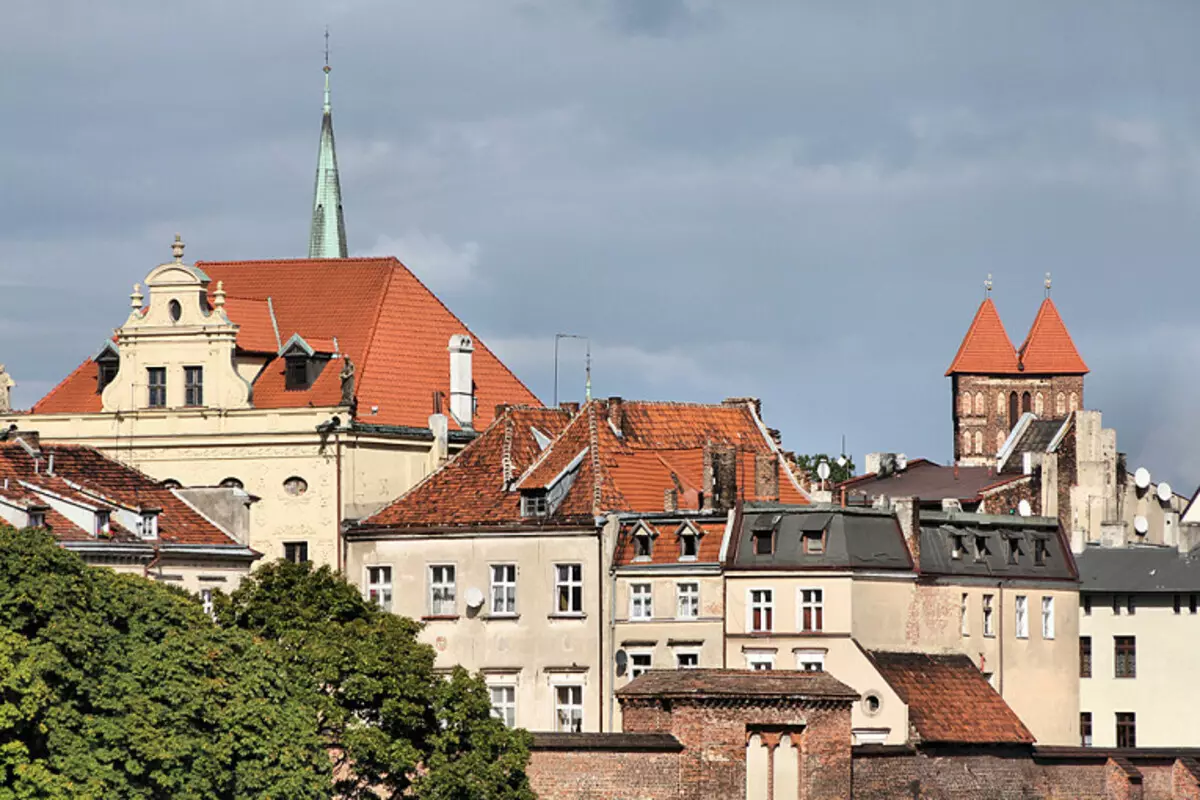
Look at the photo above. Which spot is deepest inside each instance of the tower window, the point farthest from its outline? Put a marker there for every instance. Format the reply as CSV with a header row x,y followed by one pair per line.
x,y
175,310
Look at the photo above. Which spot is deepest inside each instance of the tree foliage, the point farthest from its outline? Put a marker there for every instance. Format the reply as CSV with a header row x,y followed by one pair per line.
x,y
395,725
113,686
837,472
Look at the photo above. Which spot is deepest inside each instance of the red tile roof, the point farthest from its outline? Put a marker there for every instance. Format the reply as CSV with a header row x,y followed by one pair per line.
x,y
949,700
742,683
667,536
1048,349
986,349
384,319
660,446
85,475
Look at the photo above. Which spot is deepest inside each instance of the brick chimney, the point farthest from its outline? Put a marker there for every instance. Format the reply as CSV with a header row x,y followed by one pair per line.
x,y
616,415
766,477
741,401
908,514
670,500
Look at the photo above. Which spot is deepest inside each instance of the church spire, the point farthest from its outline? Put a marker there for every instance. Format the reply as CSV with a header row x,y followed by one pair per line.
x,y
327,237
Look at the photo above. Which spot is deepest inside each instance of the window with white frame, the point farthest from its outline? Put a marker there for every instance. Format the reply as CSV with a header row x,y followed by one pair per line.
x,y
441,590
504,589
761,611
689,544
687,659
641,602
812,610
988,629
687,595
568,588
963,626
760,659
568,708
206,601
810,659
1021,610
379,587
1047,617
504,704
640,663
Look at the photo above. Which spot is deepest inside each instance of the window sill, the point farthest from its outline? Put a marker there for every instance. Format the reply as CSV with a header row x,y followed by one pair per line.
x,y
568,615
439,618
502,616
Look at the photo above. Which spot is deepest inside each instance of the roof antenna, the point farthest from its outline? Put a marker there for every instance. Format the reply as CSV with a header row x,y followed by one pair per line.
x,y
987,286
587,386
1047,284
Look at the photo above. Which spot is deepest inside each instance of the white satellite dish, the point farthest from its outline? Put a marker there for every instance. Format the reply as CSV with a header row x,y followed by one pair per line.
x,y
1142,477
1140,525
1164,492
1024,509
823,470
474,598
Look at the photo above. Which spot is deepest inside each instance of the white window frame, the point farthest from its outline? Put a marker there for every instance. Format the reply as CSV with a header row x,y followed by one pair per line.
x,y
572,709
810,655
989,611
1021,616
687,652
687,603
759,656
964,616
503,590
570,584
506,707
1047,617
438,607
206,602
768,606
641,601
378,590
815,606
639,669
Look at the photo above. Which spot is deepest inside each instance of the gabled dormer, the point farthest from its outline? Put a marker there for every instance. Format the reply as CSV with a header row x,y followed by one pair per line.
x,y
688,536
304,361
108,364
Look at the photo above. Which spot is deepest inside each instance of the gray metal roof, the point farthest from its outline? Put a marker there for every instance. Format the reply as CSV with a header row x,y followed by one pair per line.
x,y
854,538
986,541
1138,569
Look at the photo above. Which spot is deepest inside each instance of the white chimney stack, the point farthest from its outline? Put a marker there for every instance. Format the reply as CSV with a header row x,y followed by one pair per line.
x,y
462,394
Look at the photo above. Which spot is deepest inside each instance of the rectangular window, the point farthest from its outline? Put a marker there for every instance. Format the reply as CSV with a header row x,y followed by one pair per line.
x,y
37,519
1039,552
988,630
1125,656
810,660
568,709
295,552
962,616
1085,728
1126,729
156,380
764,543
812,610
687,597
504,704
762,610
687,660
641,601
1191,604
1178,603
1014,551
640,664
107,373
193,386
568,588
689,546
1047,617
379,587
760,661
296,373
956,550
814,542
534,505
1087,605
1021,611
206,602
504,588
441,590
1085,656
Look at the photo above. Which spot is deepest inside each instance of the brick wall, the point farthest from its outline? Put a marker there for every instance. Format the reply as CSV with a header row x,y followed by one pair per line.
x,y
1006,499
992,417
604,775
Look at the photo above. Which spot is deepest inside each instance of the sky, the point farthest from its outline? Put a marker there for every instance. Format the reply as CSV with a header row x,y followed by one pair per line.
x,y
797,201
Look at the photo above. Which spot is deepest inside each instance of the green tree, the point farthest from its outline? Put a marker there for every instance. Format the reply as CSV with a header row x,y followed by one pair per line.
x,y
113,686
837,472
394,725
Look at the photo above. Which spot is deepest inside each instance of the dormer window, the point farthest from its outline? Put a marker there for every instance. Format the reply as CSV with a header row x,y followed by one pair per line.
x,y
643,545
534,505
304,362
764,543
981,548
108,363
147,524
297,372
37,519
957,547
102,523
1014,551
689,545
814,542
1040,551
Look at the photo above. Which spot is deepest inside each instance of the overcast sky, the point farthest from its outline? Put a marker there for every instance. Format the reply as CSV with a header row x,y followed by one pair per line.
x,y
797,201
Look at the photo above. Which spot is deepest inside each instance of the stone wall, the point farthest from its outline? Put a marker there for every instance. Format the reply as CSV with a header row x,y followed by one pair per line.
x,y
619,769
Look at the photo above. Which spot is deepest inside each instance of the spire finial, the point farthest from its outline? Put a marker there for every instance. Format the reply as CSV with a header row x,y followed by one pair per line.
x,y
136,297
1047,284
177,249
987,286
328,105
219,295
587,387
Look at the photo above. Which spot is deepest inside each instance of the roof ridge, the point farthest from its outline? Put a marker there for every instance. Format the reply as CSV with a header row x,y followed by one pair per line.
x,y
362,368
294,261
594,445
546,454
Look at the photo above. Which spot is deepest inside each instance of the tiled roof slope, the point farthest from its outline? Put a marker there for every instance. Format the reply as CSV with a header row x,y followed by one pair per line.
x,y
927,480
667,536
86,475
623,455
738,683
986,349
949,700
1048,349
384,319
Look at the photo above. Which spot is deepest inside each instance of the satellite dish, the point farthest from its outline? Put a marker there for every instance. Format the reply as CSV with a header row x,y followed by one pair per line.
x,y
823,470
622,659
1164,492
1024,509
474,598
1140,525
1142,478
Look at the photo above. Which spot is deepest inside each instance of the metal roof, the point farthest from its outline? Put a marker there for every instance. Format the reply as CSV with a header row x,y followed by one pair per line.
x,y
854,538
1138,569
987,541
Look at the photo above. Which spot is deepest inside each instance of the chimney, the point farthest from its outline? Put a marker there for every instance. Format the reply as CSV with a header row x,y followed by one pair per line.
x,y
670,500
616,415
439,426
872,463
462,390
500,410
908,514
570,408
766,477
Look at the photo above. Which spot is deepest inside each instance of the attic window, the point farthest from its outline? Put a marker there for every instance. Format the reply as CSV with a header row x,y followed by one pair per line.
x,y
296,376
764,543
958,546
37,519
814,542
1039,552
534,505
981,548
101,523
175,310
147,526
643,546
1014,551
107,366
689,545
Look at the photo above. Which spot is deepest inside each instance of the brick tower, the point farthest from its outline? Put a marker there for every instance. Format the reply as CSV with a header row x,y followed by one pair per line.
x,y
992,383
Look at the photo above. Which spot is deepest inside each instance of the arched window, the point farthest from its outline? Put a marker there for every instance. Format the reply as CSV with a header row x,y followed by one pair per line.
x,y
1012,410
966,443
232,483
295,486
1026,403
1074,402
978,441
1039,404
979,404
1000,437
964,404
1060,405
999,405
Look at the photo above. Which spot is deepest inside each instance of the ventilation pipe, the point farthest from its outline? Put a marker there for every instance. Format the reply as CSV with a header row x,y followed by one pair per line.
x,y
462,390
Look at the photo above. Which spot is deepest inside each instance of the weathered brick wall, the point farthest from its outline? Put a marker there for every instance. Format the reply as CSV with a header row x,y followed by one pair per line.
x,y
1006,499
1068,475
993,417
592,775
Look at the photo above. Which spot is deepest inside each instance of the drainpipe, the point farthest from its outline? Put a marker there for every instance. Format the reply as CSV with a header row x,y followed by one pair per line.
x,y
337,457
152,563
1000,660
600,625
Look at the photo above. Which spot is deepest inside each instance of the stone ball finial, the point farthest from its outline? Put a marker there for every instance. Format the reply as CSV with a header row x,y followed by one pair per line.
x,y
219,295
177,248
136,297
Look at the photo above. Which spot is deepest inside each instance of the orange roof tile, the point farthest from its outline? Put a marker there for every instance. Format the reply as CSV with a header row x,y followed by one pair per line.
x,y
949,700
1048,349
667,542
986,349
384,319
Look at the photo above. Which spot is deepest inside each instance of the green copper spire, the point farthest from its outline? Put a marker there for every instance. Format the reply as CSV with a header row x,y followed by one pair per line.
x,y
327,238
